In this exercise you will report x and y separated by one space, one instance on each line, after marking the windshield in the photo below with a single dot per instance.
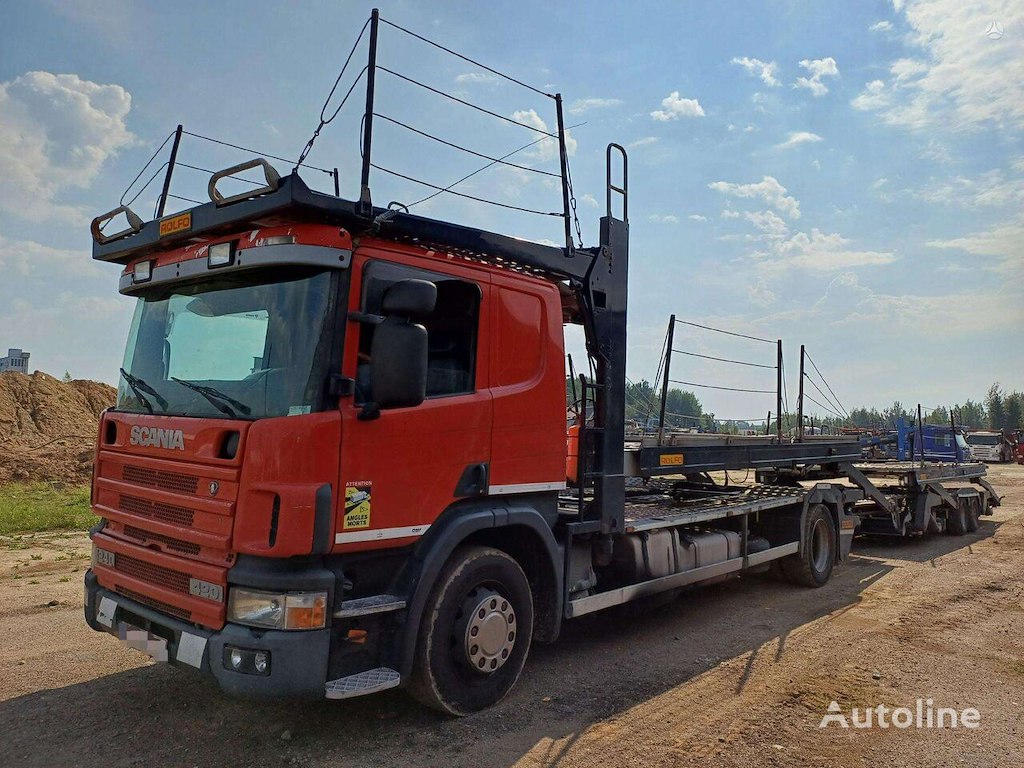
236 347
983 439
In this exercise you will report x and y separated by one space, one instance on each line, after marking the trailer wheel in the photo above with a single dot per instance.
973 510
813 566
475 635
956 520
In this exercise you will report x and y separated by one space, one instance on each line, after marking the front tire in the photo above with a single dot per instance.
475 634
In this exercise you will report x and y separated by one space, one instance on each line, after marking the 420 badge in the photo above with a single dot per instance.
357 505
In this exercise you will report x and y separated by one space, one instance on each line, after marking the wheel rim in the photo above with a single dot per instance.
488 630
820 545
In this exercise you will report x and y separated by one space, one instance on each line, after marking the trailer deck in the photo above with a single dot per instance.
694 453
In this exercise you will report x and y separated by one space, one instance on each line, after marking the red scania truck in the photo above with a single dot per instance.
338 458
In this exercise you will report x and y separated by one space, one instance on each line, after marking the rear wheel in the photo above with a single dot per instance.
475 634
812 567
956 519
973 509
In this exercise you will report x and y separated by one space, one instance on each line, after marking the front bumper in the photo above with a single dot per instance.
298 659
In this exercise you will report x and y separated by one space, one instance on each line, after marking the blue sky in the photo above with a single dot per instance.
845 175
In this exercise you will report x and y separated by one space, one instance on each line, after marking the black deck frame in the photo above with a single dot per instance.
713 458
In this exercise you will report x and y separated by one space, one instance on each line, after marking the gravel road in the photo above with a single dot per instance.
736 674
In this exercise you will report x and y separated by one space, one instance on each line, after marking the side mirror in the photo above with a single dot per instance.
398 352
409 298
398 366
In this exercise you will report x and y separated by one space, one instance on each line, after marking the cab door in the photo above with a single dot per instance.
399 471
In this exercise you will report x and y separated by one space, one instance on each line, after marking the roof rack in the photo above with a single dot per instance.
289 199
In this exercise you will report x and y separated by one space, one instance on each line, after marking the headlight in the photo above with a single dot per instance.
293 610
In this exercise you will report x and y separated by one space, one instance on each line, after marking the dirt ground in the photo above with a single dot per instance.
737 675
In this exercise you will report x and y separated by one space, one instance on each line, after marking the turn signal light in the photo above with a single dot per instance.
306 611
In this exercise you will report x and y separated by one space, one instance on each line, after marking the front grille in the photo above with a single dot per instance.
184 547
159 478
153 574
159 605
168 513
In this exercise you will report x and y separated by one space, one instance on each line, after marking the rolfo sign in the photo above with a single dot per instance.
923 715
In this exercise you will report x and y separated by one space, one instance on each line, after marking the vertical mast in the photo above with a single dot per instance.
365 204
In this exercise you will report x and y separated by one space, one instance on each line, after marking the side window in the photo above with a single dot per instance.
452 329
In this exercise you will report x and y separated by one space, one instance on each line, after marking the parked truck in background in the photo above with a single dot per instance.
991 447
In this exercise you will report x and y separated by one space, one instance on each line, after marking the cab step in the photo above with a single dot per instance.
363 683
363 606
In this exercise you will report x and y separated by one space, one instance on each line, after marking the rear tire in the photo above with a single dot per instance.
475 633
956 520
813 566
973 511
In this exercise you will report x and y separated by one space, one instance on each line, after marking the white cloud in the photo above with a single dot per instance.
476 77
799 137
656 218
762 69
28 258
589 199
674 107
959 78
58 132
760 294
730 214
817 69
642 142
697 217
874 96
768 222
1004 242
580 106
881 26
990 189
768 189
547 149
818 252
745 129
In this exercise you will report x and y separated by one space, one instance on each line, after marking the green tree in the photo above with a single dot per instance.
996 407
1014 407
66 377
971 414
894 412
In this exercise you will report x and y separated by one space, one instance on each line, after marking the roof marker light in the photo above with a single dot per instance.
221 255
278 240
142 271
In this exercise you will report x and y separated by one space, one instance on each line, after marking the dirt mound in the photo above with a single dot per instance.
48 427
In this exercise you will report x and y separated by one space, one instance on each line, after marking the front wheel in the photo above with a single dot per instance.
475 633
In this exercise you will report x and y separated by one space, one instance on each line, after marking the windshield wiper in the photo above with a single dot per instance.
139 386
215 396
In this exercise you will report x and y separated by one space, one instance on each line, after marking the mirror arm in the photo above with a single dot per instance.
340 386
370 412
365 318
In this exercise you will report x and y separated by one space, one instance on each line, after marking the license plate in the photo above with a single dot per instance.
152 645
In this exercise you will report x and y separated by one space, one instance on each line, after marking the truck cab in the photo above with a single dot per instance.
311 417
990 447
